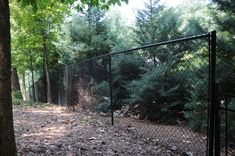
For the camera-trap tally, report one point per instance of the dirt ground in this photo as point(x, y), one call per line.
point(176, 137)
point(56, 131)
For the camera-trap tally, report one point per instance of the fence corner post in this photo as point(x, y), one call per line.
point(213, 101)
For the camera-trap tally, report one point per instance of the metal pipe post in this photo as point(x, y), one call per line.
point(212, 91)
point(111, 88)
point(217, 121)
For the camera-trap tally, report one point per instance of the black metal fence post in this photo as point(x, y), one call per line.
point(226, 126)
point(208, 146)
point(212, 92)
point(217, 121)
point(111, 88)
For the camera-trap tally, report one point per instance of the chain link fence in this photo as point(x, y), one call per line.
point(227, 124)
point(158, 92)
point(161, 94)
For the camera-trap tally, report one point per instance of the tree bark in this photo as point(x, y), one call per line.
point(15, 84)
point(23, 87)
point(32, 74)
point(15, 80)
point(46, 65)
point(7, 138)
point(44, 84)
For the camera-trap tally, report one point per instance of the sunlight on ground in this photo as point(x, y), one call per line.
point(50, 132)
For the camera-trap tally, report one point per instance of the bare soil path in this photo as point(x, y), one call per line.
point(55, 131)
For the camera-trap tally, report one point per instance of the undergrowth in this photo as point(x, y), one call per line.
point(21, 102)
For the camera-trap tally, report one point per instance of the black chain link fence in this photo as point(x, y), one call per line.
point(157, 92)
point(227, 124)
point(161, 94)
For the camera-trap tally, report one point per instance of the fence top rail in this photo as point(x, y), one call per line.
point(164, 43)
point(206, 35)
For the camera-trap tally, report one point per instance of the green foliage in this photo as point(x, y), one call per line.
point(29, 103)
point(230, 120)
point(27, 34)
point(92, 33)
point(154, 24)
point(197, 106)
point(165, 84)
point(87, 35)
point(147, 20)
point(101, 90)
point(226, 5)
point(125, 69)
point(16, 95)
point(159, 94)
point(104, 4)
point(195, 17)
point(103, 105)
point(120, 34)
point(224, 16)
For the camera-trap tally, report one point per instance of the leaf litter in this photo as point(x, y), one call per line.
point(53, 130)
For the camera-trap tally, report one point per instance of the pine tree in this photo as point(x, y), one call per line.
point(156, 23)
point(88, 34)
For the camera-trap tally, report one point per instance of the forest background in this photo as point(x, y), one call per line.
point(57, 35)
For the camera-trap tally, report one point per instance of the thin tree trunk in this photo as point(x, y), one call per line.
point(46, 65)
point(32, 74)
point(15, 80)
point(44, 83)
point(7, 138)
point(23, 87)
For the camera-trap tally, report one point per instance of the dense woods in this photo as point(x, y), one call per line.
point(51, 40)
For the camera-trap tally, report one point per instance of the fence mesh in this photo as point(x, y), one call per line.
point(227, 125)
point(159, 93)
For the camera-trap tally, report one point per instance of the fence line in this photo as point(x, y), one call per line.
point(163, 91)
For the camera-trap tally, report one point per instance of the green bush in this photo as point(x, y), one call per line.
point(103, 105)
point(101, 91)
point(160, 94)
point(126, 68)
point(196, 108)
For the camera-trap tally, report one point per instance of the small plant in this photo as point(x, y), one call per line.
point(87, 119)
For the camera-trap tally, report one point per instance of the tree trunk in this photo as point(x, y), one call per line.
point(32, 74)
point(44, 84)
point(15, 80)
point(15, 84)
point(23, 87)
point(46, 65)
point(7, 138)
